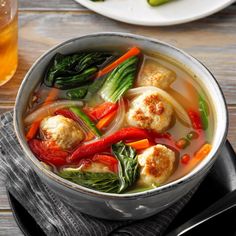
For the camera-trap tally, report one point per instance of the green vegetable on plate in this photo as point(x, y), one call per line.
point(157, 2)
point(150, 2)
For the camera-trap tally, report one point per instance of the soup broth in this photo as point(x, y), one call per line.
point(186, 91)
point(119, 122)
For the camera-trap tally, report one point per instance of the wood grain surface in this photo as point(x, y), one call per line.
point(43, 24)
point(52, 5)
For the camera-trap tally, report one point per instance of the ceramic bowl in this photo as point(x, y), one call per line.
point(122, 206)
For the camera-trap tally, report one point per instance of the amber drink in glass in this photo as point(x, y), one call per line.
point(8, 39)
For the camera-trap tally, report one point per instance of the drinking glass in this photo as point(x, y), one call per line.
point(8, 39)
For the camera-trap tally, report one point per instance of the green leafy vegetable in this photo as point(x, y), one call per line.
point(87, 91)
point(96, 85)
point(120, 80)
point(108, 182)
point(128, 164)
point(204, 111)
point(76, 80)
point(77, 93)
point(60, 65)
point(92, 95)
point(105, 182)
point(68, 71)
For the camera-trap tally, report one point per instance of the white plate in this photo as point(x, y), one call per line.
point(140, 13)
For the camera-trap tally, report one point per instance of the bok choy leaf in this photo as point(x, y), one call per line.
point(105, 182)
point(120, 80)
point(128, 164)
point(69, 71)
point(108, 182)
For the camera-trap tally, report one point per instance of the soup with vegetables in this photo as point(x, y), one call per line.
point(118, 122)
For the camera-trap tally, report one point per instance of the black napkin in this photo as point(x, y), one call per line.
point(53, 215)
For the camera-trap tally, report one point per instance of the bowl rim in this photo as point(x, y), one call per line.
point(78, 188)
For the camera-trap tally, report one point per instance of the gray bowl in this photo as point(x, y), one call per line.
point(123, 206)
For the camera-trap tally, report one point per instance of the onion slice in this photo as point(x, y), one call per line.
point(180, 111)
point(48, 110)
point(118, 121)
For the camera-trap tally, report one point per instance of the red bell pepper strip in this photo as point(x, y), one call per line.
point(197, 125)
point(165, 138)
point(48, 152)
point(101, 110)
point(104, 143)
point(107, 160)
point(195, 119)
point(66, 113)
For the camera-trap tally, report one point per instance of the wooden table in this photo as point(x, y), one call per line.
point(42, 24)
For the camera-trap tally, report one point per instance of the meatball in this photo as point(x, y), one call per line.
point(94, 167)
point(156, 164)
point(150, 111)
point(65, 132)
point(154, 74)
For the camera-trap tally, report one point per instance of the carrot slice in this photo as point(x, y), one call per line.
point(35, 125)
point(203, 151)
point(199, 156)
point(141, 144)
point(51, 96)
point(32, 130)
point(106, 120)
point(132, 52)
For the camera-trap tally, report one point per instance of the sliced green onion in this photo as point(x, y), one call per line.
point(204, 111)
point(77, 111)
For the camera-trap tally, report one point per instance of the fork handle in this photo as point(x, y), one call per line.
point(222, 205)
